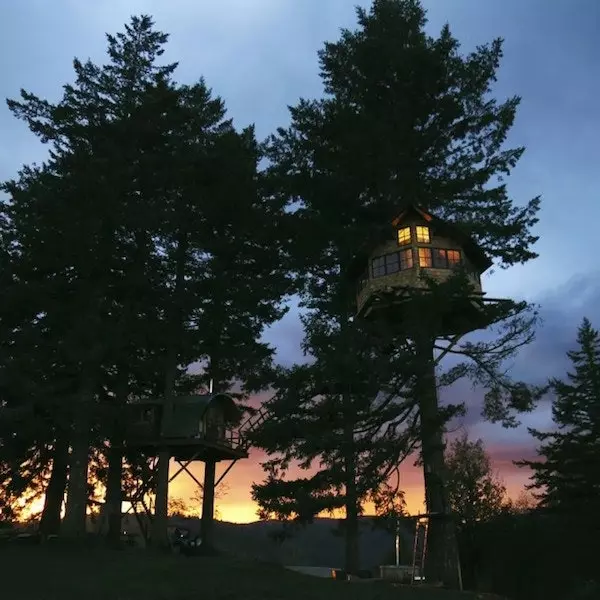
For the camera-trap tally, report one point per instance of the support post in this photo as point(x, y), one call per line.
point(208, 504)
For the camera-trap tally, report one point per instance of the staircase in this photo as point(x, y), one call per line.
point(239, 438)
point(250, 424)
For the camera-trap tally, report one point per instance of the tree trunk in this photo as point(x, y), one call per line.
point(441, 559)
point(74, 525)
point(159, 538)
point(114, 496)
point(208, 506)
point(55, 492)
point(352, 554)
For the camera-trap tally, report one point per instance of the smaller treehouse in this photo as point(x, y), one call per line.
point(201, 427)
point(397, 265)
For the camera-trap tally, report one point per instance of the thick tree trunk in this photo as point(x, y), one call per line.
point(74, 525)
point(441, 560)
point(208, 506)
point(352, 553)
point(55, 492)
point(114, 495)
point(159, 538)
point(113, 499)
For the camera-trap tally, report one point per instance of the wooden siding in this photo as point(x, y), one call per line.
point(412, 277)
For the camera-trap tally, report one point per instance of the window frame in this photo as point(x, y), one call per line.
point(422, 228)
point(446, 263)
point(409, 253)
point(425, 249)
point(410, 236)
point(386, 263)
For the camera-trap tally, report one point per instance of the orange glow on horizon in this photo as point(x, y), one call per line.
point(236, 505)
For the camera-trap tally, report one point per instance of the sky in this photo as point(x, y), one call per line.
point(260, 56)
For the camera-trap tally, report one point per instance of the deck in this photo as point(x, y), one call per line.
point(193, 448)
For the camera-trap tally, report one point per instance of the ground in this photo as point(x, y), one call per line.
point(56, 573)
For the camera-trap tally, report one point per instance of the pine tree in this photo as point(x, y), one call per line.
point(567, 479)
point(407, 119)
point(475, 492)
point(150, 244)
point(329, 414)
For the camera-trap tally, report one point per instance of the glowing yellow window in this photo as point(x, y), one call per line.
point(404, 236)
point(423, 236)
point(425, 257)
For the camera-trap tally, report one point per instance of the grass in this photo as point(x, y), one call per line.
point(52, 573)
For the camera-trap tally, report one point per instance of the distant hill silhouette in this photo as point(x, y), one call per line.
point(319, 544)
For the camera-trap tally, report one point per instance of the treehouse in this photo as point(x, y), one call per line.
point(200, 427)
point(408, 259)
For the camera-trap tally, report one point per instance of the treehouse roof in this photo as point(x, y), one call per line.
point(200, 402)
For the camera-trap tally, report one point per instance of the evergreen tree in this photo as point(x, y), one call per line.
point(567, 479)
point(475, 492)
point(146, 242)
point(329, 414)
point(407, 119)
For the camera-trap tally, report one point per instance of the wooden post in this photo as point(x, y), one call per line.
point(159, 537)
point(114, 496)
point(208, 505)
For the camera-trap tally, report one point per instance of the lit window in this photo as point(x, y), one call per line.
point(444, 259)
point(425, 257)
point(406, 259)
point(423, 236)
point(440, 259)
point(453, 258)
point(404, 236)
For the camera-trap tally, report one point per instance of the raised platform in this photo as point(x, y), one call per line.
point(455, 315)
point(186, 449)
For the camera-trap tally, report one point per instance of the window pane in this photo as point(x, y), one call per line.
point(425, 257)
point(406, 259)
point(392, 263)
point(423, 236)
point(440, 259)
point(453, 257)
point(378, 266)
point(404, 236)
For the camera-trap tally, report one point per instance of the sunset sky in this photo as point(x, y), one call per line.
point(261, 55)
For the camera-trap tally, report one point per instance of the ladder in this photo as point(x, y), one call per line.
point(419, 550)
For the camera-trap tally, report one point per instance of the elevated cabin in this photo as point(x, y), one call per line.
point(416, 244)
point(202, 427)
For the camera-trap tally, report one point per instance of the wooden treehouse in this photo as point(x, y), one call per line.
point(416, 249)
point(200, 427)
point(421, 275)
